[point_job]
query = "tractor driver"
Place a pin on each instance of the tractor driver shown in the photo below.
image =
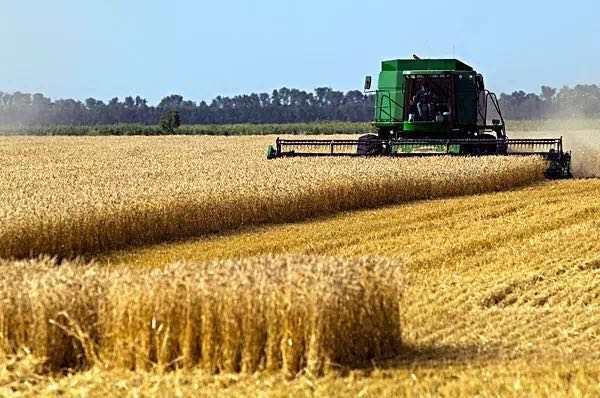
(413, 110)
(424, 90)
(425, 104)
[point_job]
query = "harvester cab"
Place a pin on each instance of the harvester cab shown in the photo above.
(432, 107)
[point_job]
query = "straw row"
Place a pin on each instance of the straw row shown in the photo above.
(264, 313)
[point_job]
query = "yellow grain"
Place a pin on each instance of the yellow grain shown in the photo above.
(68, 196)
(291, 312)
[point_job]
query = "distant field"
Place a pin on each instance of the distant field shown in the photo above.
(558, 125)
(276, 129)
(216, 129)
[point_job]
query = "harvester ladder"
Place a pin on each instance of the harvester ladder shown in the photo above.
(382, 108)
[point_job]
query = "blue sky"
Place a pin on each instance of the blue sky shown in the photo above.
(200, 49)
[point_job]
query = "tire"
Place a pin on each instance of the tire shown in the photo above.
(485, 149)
(369, 144)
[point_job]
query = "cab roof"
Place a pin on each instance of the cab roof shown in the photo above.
(449, 64)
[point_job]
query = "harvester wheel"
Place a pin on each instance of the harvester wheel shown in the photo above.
(369, 144)
(485, 149)
(271, 153)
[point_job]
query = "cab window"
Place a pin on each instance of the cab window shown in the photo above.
(429, 98)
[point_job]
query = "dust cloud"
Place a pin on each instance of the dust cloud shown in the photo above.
(583, 144)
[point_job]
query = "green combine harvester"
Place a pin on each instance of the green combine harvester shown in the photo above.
(432, 107)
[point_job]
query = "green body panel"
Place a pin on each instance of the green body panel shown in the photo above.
(465, 98)
(390, 97)
(411, 148)
(425, 127)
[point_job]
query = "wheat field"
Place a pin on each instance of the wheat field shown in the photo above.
(480, 280)
(500, 297)
(70, 196)
(501, 292)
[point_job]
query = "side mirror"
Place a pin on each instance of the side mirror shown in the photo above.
(367, 83)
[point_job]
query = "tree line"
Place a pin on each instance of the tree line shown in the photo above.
(281, 106)
(581, 101)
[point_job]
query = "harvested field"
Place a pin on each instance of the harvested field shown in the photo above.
(69, 196)
(263, 313)
(18, 378)
(501, 292)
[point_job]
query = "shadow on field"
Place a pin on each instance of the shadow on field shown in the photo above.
(417, 356)
(421, 355)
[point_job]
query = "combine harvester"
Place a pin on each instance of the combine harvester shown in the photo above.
(432, 107)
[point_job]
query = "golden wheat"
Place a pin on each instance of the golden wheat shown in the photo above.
(492, 277)
(243, 315)
(72, 196)
(501, 289)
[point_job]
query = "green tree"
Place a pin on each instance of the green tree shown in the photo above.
(170, 121)
(548, 93)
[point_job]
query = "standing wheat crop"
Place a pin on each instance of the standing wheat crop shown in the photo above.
(70, 196)
(264, 313)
